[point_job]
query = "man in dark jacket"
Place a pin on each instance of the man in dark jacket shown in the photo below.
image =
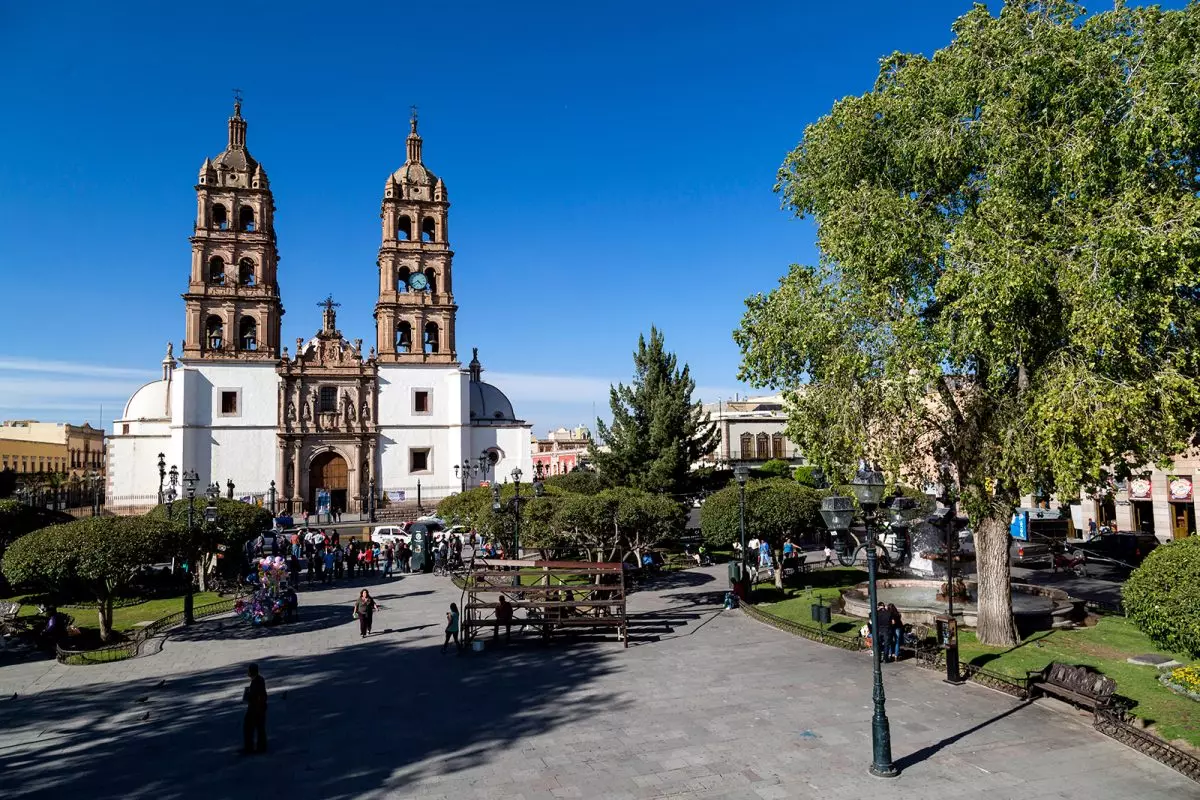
(255, 722)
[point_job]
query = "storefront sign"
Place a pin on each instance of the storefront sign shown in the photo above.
(1139, 489)
(1179, 487)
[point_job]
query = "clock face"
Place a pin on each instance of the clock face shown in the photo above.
(417, 282)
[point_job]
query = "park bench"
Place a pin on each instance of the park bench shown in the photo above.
(1080, 685)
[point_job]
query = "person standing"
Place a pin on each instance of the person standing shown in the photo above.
(364, 611)
(389, 555)
(337, 561)
(1091, 528)
(885, 631)
(452, 629)
(897, 632)
(351, 557)
(329, 564)
(504, 616)
(254, 724)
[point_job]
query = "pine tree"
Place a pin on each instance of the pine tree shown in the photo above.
(657, 432)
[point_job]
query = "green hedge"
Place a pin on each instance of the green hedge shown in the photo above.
(1162, 596)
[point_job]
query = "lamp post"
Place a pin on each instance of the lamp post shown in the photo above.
(95, 478)
(485, 462)
(190, 478)
(162, 475)
(271, 497)
(371, 499)
(838, 513)
(498, 505)
(173, 488)
(741, 474)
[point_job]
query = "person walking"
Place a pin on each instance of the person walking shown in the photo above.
(351, 558)
(364, 611)
(897, 624)
(452, 629)
(389, 555)
(885, 631)
(254, 724)
(828, 557)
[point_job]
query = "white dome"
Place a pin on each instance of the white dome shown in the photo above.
(152, 401)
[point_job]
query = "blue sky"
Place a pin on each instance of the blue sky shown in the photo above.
(610, 167)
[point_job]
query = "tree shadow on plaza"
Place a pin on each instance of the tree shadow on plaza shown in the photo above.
(308, 619)
(378, 716)
(925, 753)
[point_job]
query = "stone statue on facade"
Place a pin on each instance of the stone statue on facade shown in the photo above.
(365, 412)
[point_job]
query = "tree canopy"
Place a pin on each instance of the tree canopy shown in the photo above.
(657, 432)
(96, 554)
(776, 509)
(1008, 287)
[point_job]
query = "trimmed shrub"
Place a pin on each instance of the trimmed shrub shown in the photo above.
(1162, 595)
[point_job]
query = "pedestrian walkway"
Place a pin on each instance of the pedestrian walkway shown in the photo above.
(704, 704)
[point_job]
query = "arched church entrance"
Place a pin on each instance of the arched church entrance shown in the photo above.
(328, 471)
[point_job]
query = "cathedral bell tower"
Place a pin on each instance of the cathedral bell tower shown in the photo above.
(232, 302)
(414, 316)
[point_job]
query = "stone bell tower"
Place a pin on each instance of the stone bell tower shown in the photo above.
(414, 316)
(232, 302)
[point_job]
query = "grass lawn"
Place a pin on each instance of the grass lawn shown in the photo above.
(1105, 648)
(125, 618)
(794, 604)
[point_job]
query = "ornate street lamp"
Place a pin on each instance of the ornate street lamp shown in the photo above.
(173, 490)
(838, 513)
(485, 461)
(741, 473)
(371, 499)
(190, 478)
(162, 475)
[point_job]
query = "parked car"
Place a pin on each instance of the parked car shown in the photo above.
(1125, 549)
(384, 535)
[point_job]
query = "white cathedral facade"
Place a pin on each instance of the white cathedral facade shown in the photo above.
(326, 419)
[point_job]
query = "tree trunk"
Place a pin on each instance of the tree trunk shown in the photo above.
(202, 572)
(995, 625)
(104, 611)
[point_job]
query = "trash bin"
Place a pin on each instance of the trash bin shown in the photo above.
(736, 581)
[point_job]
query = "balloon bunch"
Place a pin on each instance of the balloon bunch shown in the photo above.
(268, 603)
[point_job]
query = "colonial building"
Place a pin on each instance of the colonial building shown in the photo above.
(562, 450)
(30, 446)
(326, 420)
(752, 429)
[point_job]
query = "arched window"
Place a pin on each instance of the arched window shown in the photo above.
(428, 230)
(246, 218)
(246, 272)
(220, 217)
(747, 445)
(404, 337)
(761, 447)
(214, 333)
(216, 270)
(402, 280)
(248, 334)
(777, 445)
(404, 228)
(431, 337)
(431, 277)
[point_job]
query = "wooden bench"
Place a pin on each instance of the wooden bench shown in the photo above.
(1081, 685)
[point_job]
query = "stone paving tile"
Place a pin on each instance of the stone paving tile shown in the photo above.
(718, 707)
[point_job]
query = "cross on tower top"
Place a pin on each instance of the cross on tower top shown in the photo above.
(330, 316)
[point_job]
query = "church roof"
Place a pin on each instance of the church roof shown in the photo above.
(152, 401)
(488, 404)
(413, 170)
(235, 157)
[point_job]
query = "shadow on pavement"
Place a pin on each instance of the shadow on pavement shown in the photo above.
(309, 618)
(363, 720)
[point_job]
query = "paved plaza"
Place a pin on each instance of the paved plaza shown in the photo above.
(705, 703)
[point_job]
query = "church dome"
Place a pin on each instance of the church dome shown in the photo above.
(488, 404)
(416, 174)
(152, 401)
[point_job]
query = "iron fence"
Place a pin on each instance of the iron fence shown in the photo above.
(1117, 723)
(136, 643)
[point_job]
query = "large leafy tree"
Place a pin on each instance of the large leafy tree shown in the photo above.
(657, 432)
(776, 509)
(99, 555)
(1008, 289)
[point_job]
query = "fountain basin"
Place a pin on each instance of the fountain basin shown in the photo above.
(1034, 607)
